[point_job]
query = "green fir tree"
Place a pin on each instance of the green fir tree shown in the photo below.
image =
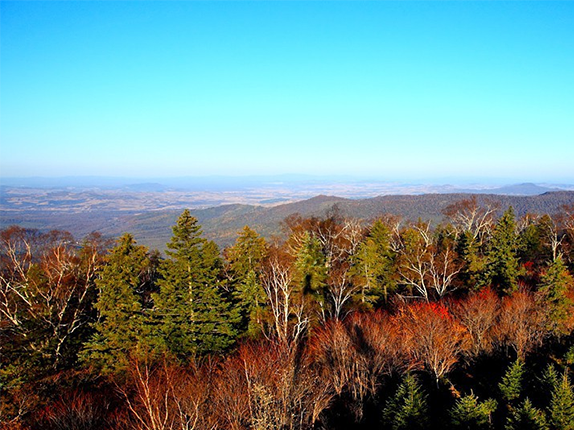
(561, 410)
(120, 330)
(511, 385)
(191, 314)
(554, 287)
(526, 417)
(373, 266)
(502, 268)
(471, 414)
(408, 408)
(245, 260)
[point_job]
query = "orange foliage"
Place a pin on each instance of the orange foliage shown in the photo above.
(521, 324)
(478, 313)
(432, 338)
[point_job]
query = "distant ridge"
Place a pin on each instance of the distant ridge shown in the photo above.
(525, 189)
(221, 223)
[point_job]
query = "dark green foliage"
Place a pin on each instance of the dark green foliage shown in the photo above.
(503, 268)
(549, 379)
(511, 385)
(408, 408)
(244, 261)
(310, 267)
(120, 330)
(472, 273)
(191, 315)
(471, 414)
(526, 417)
(561, 411)
(554, 287)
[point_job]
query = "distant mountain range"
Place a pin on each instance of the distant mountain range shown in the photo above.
(223, 205)
(526, 189)
(223, 222)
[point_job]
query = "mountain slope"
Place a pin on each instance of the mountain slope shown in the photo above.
(222, 223)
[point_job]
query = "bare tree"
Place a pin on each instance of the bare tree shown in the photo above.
(469, 216)
(521, 323)
(286, 304)
(479, 313)
(424, 264)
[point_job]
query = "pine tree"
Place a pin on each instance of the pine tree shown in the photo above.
(373, 266)
(120, 330)
(469, 413)
(503, 268)
(473, 262)
(561, 409)
(555, 285)
(526, 417)
(244, 268)
(511, 385)
(310, 267)
(189, 310)
(408, 408)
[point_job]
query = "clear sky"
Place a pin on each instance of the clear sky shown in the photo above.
(389, 89)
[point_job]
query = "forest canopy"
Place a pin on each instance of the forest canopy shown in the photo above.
(342, 323)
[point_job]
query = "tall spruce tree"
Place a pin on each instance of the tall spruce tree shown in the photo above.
(526, 417)
(244, 268)
(561, 409)
(555, 291)
(408, 408)
(502, 267)
(471, 414)
(511, 384)
(120, 330)
(373, 265)
(191, 314)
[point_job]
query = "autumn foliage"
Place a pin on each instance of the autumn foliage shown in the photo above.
(340, 324)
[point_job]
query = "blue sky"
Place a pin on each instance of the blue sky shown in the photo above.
(396, 90)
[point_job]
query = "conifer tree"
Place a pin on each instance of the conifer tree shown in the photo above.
(511, 385)
(473, 261)
(471, 414)
(373, 265)
(408, 408)
(502, 268)
(526, 417)
(310, 267)
(191, 314)
(120, 330)
(561, 409)
(244, 269)
(555, 285)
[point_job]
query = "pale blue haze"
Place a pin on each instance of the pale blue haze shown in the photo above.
(389, 89)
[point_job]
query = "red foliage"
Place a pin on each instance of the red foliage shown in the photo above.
(478, 313)
(432, 338)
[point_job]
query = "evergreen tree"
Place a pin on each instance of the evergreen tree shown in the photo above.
(471, 414)
(526, 417)
(191, 314)
(511, 385)
(310, 267)
(555, 285)
(120, 330)
(373, 265)
(473, 262)
(503, 268)
(561, 409)
(549, 379)
(244, 268)
(408, 408)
